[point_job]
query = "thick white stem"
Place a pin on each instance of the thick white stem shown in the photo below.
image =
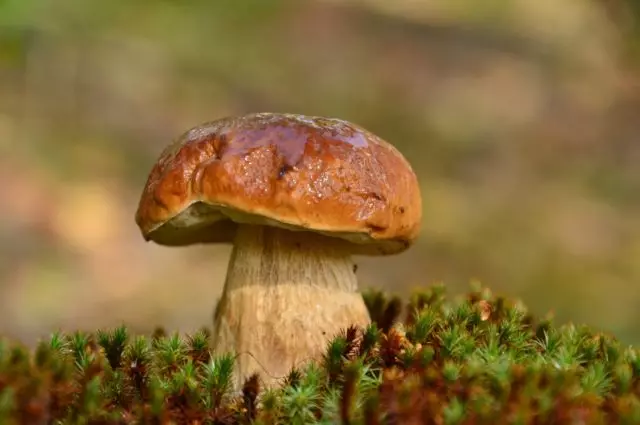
(286, 294)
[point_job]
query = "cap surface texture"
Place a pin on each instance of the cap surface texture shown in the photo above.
(299, 172)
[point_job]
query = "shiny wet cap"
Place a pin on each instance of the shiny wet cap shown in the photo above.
(297, 172)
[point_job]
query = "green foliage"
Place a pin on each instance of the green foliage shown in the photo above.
(479, 360)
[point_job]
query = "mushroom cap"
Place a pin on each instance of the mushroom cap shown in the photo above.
(296, 172)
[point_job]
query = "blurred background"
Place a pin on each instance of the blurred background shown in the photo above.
(520, 117)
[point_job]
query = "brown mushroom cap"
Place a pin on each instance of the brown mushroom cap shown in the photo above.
(293, 171)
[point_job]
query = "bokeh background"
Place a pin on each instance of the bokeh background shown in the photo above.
(521, 118)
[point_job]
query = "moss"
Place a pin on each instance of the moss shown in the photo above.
(480, 359)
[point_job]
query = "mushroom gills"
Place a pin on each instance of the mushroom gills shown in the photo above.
(205, 222)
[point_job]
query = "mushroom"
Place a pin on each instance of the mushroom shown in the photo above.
(297, 196)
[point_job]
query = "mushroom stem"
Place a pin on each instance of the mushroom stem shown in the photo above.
(286, 295)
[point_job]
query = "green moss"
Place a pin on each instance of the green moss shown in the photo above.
(481, 359)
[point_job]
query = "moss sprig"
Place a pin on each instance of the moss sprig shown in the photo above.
(480, 359)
